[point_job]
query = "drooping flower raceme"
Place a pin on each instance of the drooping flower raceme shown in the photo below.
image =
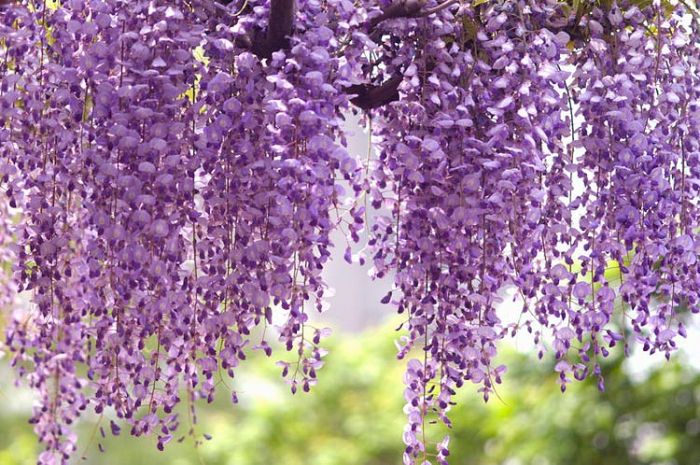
(465, 154)
(173, 190)
(504, 110)
(173, 172)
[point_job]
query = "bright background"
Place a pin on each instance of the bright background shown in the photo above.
(354, 417)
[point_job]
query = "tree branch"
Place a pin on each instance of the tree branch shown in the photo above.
(371, 96)
(440, 7)
(398, 9)
(279, 28)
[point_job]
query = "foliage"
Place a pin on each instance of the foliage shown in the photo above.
(354, 414)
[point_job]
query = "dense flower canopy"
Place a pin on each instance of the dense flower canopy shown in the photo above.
(172, 172)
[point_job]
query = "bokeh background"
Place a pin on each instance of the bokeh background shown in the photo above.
(354, 417)
(648, 414)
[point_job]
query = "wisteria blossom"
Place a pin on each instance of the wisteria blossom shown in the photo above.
(172, 173)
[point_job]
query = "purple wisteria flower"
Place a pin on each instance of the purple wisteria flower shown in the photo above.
(172, 172)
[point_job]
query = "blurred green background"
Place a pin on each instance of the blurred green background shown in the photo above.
(354, 417)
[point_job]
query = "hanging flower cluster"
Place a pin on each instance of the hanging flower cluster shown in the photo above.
(464, 155)
(178, 168)
(174, 190)
(504, 111)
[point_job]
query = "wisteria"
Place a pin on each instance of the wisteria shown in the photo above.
(172, 172)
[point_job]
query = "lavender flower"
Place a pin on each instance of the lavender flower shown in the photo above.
(178, 169)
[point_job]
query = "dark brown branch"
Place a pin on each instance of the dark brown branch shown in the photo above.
(281, 26)
(279, 29)
(370, 96)
(437, 8)
(398, 9)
